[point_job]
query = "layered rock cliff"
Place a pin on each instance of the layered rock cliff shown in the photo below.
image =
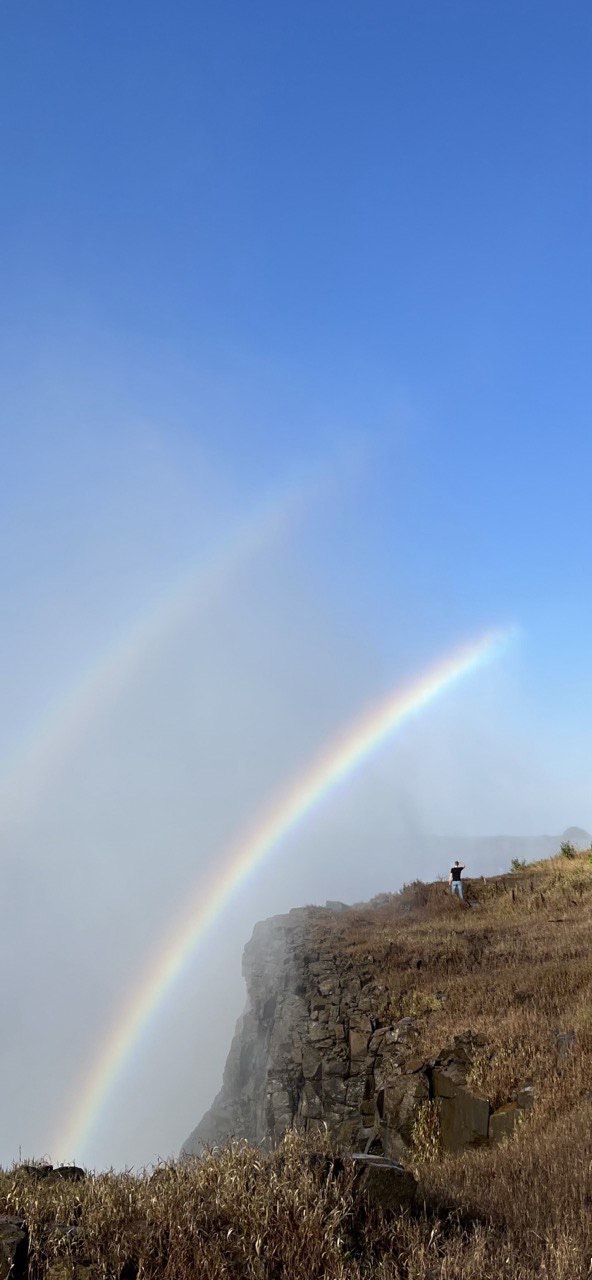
(334, 1035)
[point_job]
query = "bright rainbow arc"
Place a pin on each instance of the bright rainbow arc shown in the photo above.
(327, 771)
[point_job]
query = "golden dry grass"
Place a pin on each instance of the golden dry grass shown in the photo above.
(518, 968)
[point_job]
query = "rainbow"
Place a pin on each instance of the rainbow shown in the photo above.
(326, 772)
(41, 752)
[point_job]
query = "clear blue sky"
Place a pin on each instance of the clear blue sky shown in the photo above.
(242, 243)
(271, 228)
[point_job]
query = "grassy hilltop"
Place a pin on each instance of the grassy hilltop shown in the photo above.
(513, 964)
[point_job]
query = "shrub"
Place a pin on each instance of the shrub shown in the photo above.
(568, 850)
(518, 864)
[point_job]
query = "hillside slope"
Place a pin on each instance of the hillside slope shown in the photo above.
(454, 1037)
(354, 1013)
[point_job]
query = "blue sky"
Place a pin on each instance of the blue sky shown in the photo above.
(309, 221)
(246, 245)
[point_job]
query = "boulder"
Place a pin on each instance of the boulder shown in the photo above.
(526, 1097)
(14, 1248)
(503, 1121)
(384, 1183)
(464, 1116)
(70, 1172)
(448, 1079)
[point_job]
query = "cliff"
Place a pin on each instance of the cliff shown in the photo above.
(359, 1017)
(454, 1037)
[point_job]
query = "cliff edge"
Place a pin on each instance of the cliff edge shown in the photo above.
(412, 1014)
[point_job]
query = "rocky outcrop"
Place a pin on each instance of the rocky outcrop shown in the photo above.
(311, 1052)
(14, 1238)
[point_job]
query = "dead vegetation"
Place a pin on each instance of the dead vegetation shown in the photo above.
(516, 967)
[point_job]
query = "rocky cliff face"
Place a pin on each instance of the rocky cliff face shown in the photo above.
(313, 1050)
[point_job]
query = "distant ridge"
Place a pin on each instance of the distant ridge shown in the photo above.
(491, 855)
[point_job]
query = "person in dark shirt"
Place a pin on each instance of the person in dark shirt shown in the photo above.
(454, 878)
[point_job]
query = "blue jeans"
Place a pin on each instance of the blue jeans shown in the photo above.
(456, 887)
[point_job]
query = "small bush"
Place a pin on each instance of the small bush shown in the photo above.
(568, 850)
(417, 1004)
(518, 864)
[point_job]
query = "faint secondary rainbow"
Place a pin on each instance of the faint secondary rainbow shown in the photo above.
(56, 733)
(326, 772)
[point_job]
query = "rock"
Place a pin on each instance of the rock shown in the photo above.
(446, 1080)
(376, 1040)
(319, 1033)
(503, 1121)
(336, 1064)
(311, 1062)
(526, 1097)
(398, 1104)
(37, 1171)
(347, 1132)
(384, 1183)
(311, 1107)
(310, 1052)
(329, 1167)
(355, 1094)
(328, 986)
(358, 1044)
(402, 1100)
(334, 1089)
(405, 1032)
(464, 1116)
(14, 1248)
(70, 1172)
(465, 1045)
(464, 1120)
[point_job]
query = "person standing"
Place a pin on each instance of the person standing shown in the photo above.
(454, 878)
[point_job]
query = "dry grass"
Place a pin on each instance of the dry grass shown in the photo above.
(518, 968)
(234, 1213)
